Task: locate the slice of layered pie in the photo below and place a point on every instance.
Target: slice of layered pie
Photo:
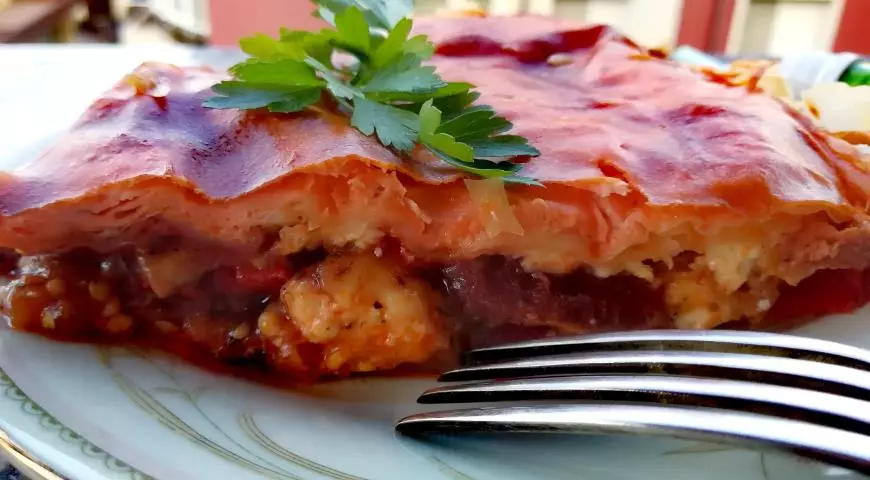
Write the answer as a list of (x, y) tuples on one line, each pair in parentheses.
[(295, 244)]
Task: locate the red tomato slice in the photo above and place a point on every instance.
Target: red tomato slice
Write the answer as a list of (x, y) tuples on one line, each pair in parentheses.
[(824, 292)]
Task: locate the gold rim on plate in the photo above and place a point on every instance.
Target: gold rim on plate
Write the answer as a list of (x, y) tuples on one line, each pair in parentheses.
[(25, 461)]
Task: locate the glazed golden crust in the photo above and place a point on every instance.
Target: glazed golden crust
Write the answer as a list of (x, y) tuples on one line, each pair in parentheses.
[(632, 147)]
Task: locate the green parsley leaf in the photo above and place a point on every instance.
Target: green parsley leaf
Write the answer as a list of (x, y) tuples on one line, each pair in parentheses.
[(352, 31), (292, 36), (486, 169), (401, 78), (389, 12), (454, 104), (386, 88), (277, 72), (420, 47), (239, 95), (394, 127), (520, 180), (430, 120), (330, 8), (475, 123), (315, 45), (334, 84), (393, 47), (503, 146), (296, 102), (265, 47), (450, 99), (479, 167), (416, 100), (319, 48), (378, 13)]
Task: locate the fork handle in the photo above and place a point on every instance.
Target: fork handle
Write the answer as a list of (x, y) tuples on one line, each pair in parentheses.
[(741, 429)]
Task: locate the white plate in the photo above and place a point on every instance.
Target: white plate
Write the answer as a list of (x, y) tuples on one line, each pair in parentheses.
[(94, 413), (103, 413)]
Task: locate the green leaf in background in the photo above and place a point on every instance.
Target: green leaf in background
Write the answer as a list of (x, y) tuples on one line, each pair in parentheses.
[(393, 47), (389, 12), (352, 31), (382, 14)]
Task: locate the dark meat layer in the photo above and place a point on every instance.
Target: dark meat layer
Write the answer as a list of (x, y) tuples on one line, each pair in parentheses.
[(499, 301)]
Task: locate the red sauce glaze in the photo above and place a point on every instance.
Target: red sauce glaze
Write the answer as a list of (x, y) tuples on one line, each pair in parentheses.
[(825, 292), (469, 45), (532, 50)]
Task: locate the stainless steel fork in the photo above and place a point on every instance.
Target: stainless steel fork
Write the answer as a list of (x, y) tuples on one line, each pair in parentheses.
[(807, 396)]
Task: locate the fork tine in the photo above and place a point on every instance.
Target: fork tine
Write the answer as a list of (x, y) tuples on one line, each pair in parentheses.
[(818, 407), (734, 341), (836, 447), (791, 372)]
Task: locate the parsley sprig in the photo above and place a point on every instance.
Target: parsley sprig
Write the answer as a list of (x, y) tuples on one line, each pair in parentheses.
[(387, 89)]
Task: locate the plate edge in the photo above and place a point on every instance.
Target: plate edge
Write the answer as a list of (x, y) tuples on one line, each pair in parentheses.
[(25, 461), (29, 462)]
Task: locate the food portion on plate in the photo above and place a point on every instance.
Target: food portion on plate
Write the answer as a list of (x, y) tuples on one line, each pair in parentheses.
[(296, 244), (841, 108)]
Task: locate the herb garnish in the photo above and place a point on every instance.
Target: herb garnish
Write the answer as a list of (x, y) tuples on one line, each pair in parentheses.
[(386, 90)]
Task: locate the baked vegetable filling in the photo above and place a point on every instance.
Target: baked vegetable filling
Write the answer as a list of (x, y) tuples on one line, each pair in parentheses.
[(313, 315)]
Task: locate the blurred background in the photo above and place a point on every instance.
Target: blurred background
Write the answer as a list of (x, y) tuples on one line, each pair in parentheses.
[(733, 27)]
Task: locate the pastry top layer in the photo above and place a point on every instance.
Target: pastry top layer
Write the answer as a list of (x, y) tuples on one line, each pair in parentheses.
[(605, 115)]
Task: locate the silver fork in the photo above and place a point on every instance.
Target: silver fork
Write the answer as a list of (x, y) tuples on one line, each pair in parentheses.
[(802, 395)]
